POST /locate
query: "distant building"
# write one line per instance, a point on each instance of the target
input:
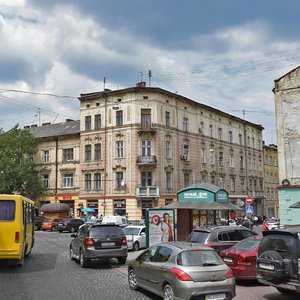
(287, 106)
(271, 180)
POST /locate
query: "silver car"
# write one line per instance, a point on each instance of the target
(181, 270)
(136, 237)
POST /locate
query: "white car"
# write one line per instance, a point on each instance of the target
(136, 237)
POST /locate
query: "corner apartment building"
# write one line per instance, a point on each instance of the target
(271, 180)
(57, 162)
(139, 146)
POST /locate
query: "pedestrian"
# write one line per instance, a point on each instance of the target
(84, 218)
(255, 220)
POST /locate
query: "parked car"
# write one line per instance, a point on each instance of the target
(180, 270)
(38, 221)
(136, 237)
(118, 220)
(50, 224)
(70, 225)
(220, 237)
(278, 259)
(270, 224)
(241, 257)
(98, 242)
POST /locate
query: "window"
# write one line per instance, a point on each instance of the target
(68, 154)
(221, 183)
(167, 118)
(119, 180)
(212, 156)
(220, 133)
(241, 162)
(186, 179)
(46, 180)
(230, 136)
(7, 210)
(201, 128)
(119, 117)
(146, 118)
(46, 156)
(186, 150)
(253, 142)
(168, 149)
(248, 141)
(221, 159)
(231, 160)
(97, 181)
(97, 151)
(146, 178)
(88, 122)
(185, 123)
(88, 182)
(168, 180)
(202, 156)
(164, 254)
(240, 139)
(97, 121)
(211, 129)
(119, 149)
(232, 184)
(88, 152)
(68, 181)
(146, 147)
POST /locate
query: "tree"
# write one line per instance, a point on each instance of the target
(17, 172)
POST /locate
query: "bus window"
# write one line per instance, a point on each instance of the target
(7, 210)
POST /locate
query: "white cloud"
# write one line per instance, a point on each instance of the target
(13, 3)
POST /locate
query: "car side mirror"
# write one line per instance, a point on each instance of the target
(143, 233)
(74, 235)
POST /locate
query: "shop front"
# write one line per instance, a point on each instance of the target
(201, 205)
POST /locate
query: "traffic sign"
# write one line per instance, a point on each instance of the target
(249, 200)
(249, 210)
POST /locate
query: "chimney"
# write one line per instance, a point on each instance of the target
(26, 127)
(69, 120)
(141, 84)
(45, 124)
(34, 125)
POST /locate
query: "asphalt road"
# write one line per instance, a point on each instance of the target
(48, 273)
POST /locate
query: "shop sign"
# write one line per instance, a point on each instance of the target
(92, 204)
(196, 195)
(222, 197)
(67, 197)
(119, 203)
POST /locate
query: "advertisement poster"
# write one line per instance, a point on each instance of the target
(160, 226)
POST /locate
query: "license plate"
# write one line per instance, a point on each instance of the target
(228, 259)
(267, 266)
(220, 296)
(107, 244)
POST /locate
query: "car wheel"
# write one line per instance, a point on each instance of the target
(72, 229)
(136, 246)
(122, 260)
(71, 253)
(82, 260)
(132, 281)
(168, 292)
(52, 228)
(286, 292)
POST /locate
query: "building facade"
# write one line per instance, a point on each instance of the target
(271, 180)
(139, 146)
(287, 104)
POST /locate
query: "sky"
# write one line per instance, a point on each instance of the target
(223, 53)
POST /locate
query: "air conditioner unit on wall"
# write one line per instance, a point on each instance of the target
(184, 157)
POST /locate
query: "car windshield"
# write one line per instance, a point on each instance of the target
(104, 231)
(47, 220)
(128, 231)
(198, 237)
(246, 244)
(201, 258)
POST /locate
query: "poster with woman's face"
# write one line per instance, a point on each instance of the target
(161, 225)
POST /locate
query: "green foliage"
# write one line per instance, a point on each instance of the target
(17, 173)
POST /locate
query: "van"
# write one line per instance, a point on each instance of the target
(118, 220)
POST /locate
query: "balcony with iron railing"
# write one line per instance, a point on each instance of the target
(146, 128)
(146, 161)
(147, 192)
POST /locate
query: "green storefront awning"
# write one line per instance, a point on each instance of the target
(203, 206)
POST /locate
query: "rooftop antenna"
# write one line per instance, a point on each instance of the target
(141, 73)
(150, 75)
(104, 82)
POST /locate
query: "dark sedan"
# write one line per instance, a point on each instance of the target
(69, 225)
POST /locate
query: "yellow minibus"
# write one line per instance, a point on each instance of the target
(16, 228)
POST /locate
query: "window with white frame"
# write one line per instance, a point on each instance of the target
(46, 180)
(68, 154)
(212, 156)
(98, 151)
(119, 180)
(88, 181)
(220, 133)
(168, 180)
(46, 155)
(146, 147)
(231, 160)
(185, 123)
(202, 155)
(168, 149)
(97, 181)
(221, 159)
(232, 184)
(68, 180)
(119, 149)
